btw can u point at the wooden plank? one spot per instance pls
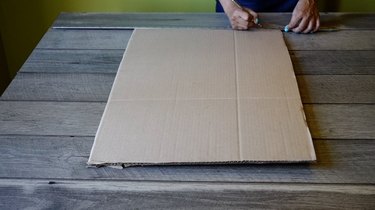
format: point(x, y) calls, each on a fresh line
point(331, 121)
point(63, 157)
point(333, 62)
point(50, 118)
point(343, 21)
point(337, 88)
point(341, 121)
point(60, 87)
point(340, 40)
point(141, 20)
point(107, 61)
point(85, 39)
point(117, 39)
point(96, 87)
point(73, 61)
point(41, 194)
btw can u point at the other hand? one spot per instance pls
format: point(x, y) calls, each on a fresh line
point(305, 18)
point(240, 18)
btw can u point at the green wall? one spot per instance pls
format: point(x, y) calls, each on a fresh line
point(356, 5)
point(23, 22)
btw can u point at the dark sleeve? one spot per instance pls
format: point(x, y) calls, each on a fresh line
point(264, 5)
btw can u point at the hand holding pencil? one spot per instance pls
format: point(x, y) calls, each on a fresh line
point(240, 18)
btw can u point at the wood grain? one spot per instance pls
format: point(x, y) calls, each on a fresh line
point(330, 121)
point(41, 194)
point(341, 121)
point(45, 140)
point(73, 61)
point(343, 21)
point(141, 20)
point(63, 157)
point(339, 40)
point(351, 89)
point(60, 87)
point(107, 61)
point(333, 62)
point(117, 39)
point(50, 118)
point(85, 39)
point(96, 87)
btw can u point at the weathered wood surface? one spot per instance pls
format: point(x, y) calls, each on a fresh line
point(331, 121)
point(342, 21)
point(351, 89)
point(140, 20)
point(85, 39)
point(38, 194)
point(96, 87)
point(45, 137)
point(340, 40)
point(107, 61)
point(117, 39)
point(333, 62)
point(64, 157)
point(79, 61)
point(346, 121)
point(60, 87)
point(50, 118)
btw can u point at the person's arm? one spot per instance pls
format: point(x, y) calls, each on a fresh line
point(240, 18)
point(305, 18)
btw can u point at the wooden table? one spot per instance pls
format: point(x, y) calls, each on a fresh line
point(50, 113)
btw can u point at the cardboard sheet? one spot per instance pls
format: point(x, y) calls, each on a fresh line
point(195, 96)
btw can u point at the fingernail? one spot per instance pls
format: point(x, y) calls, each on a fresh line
point(286, 28)
point(256, 21)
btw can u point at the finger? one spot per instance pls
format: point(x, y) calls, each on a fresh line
point(237, 26)
point(238, 23)
point(310, 28)
point(294, 22)
point(233, 24)
point(302, 26)
point(241, 13)
point(317, 25)
point(253, 14)
point(240, 28)
point(243, 23)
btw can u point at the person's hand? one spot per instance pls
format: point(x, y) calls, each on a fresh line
point(305, 18)
point(240, 18)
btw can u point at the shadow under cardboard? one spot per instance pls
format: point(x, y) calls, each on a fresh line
point(276, 172)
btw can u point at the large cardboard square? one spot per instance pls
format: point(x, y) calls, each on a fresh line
point(195, 96)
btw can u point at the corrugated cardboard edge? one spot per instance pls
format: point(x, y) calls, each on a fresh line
point(311, 140)
point(127, 165)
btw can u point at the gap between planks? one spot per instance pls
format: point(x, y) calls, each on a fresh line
point(145, 195)
point(59, 157)
point(118, 183)
point(314, 89)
